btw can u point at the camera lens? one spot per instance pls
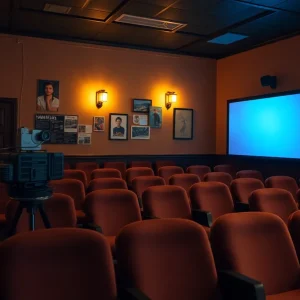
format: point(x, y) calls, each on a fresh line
point(44, 136)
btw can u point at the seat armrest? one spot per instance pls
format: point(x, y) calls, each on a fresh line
point(241, 207)
point(131, 294)
point(235, 286)
point(202, 217)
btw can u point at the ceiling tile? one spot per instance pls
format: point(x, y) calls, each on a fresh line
point(142, 9)
point(108, 5)
point(89, 13)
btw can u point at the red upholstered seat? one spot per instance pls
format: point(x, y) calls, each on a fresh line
point(106, 183)
point(45, 265)
point(294, 225)
point(184, 180)
point(226, 169)
point(76, 174)
point(106, 173)
point(163, 163)
point(67, 166)
point(198, 170)
point(4, 199)
point(132, 173)
point(168, 171)
point(250, 174)
point(141, 183)
point(121, 166)
point(223, 177)
point(257, 245)
point(242, 188)
point(277, 201)
point(87, 167)
point(172, 260)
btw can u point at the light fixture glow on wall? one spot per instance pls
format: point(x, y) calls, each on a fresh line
point(171, 97)
point(101, 96)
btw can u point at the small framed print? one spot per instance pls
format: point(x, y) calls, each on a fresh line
point(155, 117)
point(140, 132)
point(141, 120)
point(118, 126)
point(141, 105)
point(99, 124)
point(183, 124)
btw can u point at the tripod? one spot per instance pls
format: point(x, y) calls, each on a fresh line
point(32, 205)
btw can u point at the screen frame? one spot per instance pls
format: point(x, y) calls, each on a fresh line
point(251, 98)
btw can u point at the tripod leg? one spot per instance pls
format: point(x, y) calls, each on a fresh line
point(15, 220)
point(31, 212)
point(44, 217)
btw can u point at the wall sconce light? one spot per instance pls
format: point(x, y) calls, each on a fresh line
point(171, 97)
point(101, 96)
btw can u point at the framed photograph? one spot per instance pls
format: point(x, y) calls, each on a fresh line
point(47, 95)
point(99, 124)
point(84, 139)
point(141, 105)
point(141, 120)
point(82, 128)
point(183, 124)
point(155, 117)
point(140, 132)
point(118, 126)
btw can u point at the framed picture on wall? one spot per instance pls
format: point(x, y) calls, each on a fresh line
point(118, 126)
point(141, 120)
point(141, 105)
point(183, 124)
point(99, 124)
point(140, 132)
point(155, 117)
point(47, 95)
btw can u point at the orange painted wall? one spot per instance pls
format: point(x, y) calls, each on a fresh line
point(125, 74)
point(239, 76)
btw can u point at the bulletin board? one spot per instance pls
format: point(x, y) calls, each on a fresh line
point(63, 128)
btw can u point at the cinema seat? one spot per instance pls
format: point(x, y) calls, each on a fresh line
point(226, 168)
point(76, 174)
point(277, 201)
point(167, 259)
point(67, 166)
point(257, 245)
point(241, 190)
point(60, 210)
point(223, 177)
point(106, 183)
point(45, 264)
point(141, 163)
point(199, 170)
point(250, 174)
point(294, 225)
point(184, 180)
point(87, 167)
point(75, 189)
point(121, 166)
point(4, 199)
point(132, 173)
point(163, 163)
point(213, 199)
point(106, 173)
point(168, 171)
point(283, 182)
point(111, 210)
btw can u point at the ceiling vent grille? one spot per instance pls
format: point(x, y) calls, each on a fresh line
point(58, 9)
point(149, 22)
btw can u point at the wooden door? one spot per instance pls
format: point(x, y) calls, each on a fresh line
point(8, 122)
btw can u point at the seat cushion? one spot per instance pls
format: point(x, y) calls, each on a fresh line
point(207, 229)
point(291, 295)
point(112, 243)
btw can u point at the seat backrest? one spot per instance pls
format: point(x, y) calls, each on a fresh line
point(71, 187)
point(277, 201)
point(283, 182)
point(132, 173)
point(250, 174)
point(168, 171)
point(199, 170)
point(119, 165)
point(166, 201)
point(214, 197)
point(106, 173)
point(141, 163)
point(44, 264)
point(141, 183)
point(163, 163)
point(76, 174)
point(223, 177)
point(242, 188)
point(226, 169)
point(4, 196)
point(112, 209)
point(67, 166)
point(254, 244)
point(106, 183)
point(87, 167)
point(60, 210)
point(294, 225)
point(176, 263)
point(184, 180)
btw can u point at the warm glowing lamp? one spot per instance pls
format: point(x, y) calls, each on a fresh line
point(171, 97)
point(101, 96)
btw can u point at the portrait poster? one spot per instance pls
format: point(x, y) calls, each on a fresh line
point(183, 124)
point(140, 120)
point(99, 123)
point(47, 95)
point(140, 132)
point(118, 126)
point(155, 117)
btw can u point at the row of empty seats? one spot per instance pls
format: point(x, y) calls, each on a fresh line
point(249, 256)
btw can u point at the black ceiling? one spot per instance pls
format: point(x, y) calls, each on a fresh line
point(93, 21)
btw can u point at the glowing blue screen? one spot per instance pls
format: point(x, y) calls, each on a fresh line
point(265, 127)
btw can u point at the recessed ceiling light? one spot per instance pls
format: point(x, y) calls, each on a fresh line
point(58, 9)
point(227, 38)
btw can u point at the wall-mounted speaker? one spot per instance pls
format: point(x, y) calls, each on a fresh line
point(268, 80)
